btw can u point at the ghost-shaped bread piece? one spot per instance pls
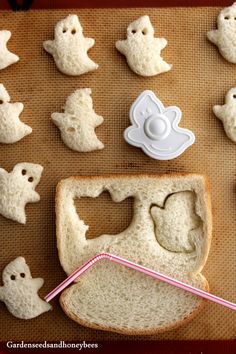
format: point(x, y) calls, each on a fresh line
point(78, 122)
point(176, 222)
point(224, 37)
point(11, 127)
point(227, 114)
point(142, 50)
point(6, 57)
point(20, 291)
point(17, 188)
point(69, 47)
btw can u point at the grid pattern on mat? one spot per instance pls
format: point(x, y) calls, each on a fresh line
point(199, 79)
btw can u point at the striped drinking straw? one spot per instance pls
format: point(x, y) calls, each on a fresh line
point(81, 270)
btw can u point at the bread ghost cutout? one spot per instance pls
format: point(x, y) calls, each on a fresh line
point(69, 48)
point(20, 291)
point(224, 37)
point(17, 188)
point(142, 50)
point(6, 57)
point(78, 122)
point(176, 223)
point(227, 114)
point(11, 127)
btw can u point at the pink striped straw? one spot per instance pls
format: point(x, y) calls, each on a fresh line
point(78, 272)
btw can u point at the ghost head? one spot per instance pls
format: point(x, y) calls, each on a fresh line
point(16, 271)
point(79, 101)
point(29, 172)
point(4, 96)
point(68, 28)
point(141, 28)
point(231, 96)
point(227, 18)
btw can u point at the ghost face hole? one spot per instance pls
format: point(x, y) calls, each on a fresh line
point(64, 30)
point(226, 17)
point(103, 215)
point(234, 96)
point(23, 172)
point(73, 31)
point(1, 101)
point(30, 179)
point(22, 275)
point(13, 277)
point(71, 130)
point(133, 31)
point(144, 31)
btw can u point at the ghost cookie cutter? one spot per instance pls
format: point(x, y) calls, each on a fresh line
point(155, 128)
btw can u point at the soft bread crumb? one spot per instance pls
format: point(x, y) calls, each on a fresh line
point(69, 48)
point(78, 122)
point(112, 297)
point(142, 50)
point(17, 188)
point(20, 291)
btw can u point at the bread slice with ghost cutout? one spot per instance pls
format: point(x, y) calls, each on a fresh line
point(170, 232)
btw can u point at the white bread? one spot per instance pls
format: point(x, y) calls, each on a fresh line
point(6, 57)
point(11, 127)
point(20, 291)
point(69, 48)
point(112, 297)
point(78, 122)
point(224, 37)
point(142, 50)
point(227, 114)
point(17, 188)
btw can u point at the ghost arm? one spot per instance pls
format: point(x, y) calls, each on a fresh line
point(49, 46)
point(97, 120)
point(161, 43)
point(122, 47)
point(37, 283)
point(59, 118)
point(18, 107)
point(33, 197)
point(2, 293)
point(213, 36)
point(6, 35)
point(89, 43)
point(219, 112)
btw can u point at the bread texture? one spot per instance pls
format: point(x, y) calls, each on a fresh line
point(69, 48)
point(17, 188)
point(224, 37)
point(142, 50)
point(6, 57)
point(20, 291)
point(227, 114)
point(11, 128)
point(78, 122)
point(114, 298)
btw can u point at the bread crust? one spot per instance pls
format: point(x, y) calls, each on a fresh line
point(151, 331)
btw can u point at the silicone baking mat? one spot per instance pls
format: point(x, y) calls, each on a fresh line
point(199, 79)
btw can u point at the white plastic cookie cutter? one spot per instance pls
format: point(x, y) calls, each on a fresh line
point(155, 128)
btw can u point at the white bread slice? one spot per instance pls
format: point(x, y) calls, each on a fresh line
point(112, 297)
